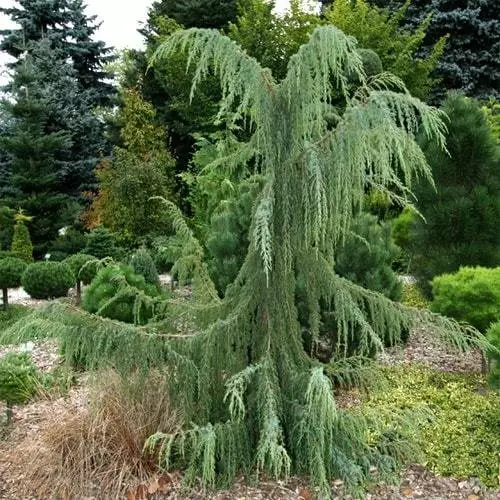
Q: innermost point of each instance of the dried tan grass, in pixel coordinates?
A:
(98, 451)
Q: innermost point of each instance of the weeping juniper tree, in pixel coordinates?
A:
(262, 402)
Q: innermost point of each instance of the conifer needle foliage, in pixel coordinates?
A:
(262, 401)
(258, 401)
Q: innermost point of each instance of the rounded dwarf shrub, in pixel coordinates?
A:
(472, 294)
(143, 263)
(48, 280)
(84, 267)
(11, 271)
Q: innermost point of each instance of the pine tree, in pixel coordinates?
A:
(462, 215)
(259, 400)
(21, 240)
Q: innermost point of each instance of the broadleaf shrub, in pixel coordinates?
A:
(463, 439)
(48, 280)
(472, 294)
(143, 263)
(11, 271)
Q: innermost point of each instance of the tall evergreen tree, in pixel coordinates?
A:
(197, 13)
(259, 400)
(471, 61)
(38, 154)
(462, 215)
(69, 30)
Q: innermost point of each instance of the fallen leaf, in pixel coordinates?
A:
(130, 495)
(153, 487)
(305, 494)
(473, 497)
(407, 492)
(164, 482)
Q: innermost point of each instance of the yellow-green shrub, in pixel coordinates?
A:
(463, 439)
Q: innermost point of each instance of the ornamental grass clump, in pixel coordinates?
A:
(101, 445)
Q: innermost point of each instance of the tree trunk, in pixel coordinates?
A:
(78, 292)
(5, 299)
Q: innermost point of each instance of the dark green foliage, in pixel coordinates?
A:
(462, 215)
(372, 64)
(17, 380)
(53, 136)
(84, 267)
(197, 13)
(48, 280)
(165, 251)
(462, 437)
(71, 32)
(102, 243)
(470, 62)
(401, 226)
(117, 292)
(472, 294)
(71, 242)
(493, 336)
(380, 30)
(366, 258)
(11, 270)
(6, 227)
(143, 264)
(38, 152)
(21, 241)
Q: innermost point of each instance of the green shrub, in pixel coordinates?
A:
(102, 243)
(493, 336)
(463, 439)
(48, 280)
(21, 241)
(369, 263)
(413, 297)
(143, 263)
(111, 282)
(401, 226)
(165, 252)
(69, 243)
(472, 294)
(6, 227)
(11, 270)
(18, 380)
(462, 210)
(84, 268)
